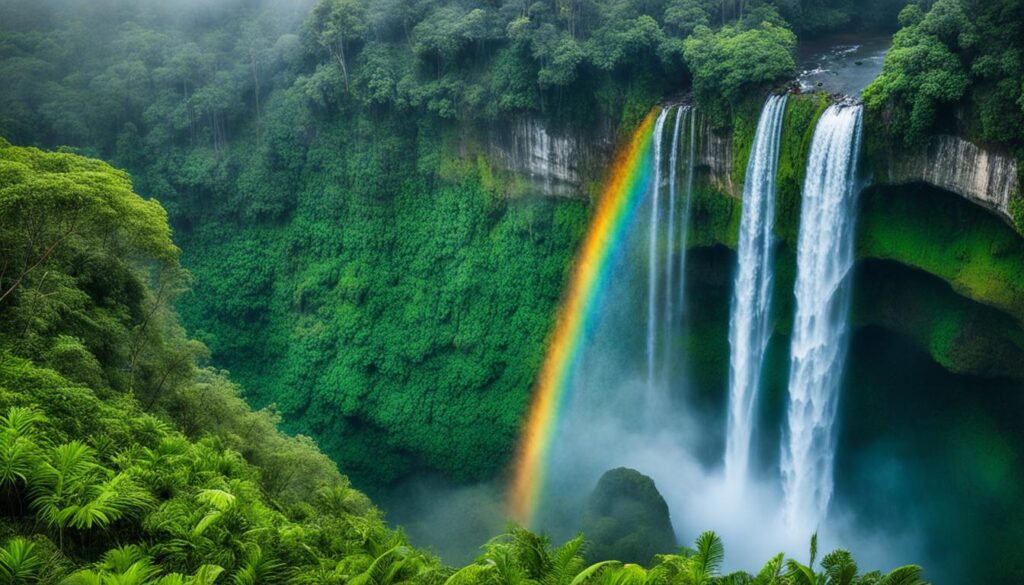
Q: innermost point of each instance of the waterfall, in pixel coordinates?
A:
(825, 256)
(684, 231)
(652, 276)
(673, 162)
(749, 324)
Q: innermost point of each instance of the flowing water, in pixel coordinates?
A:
(685, 228)
(825, 257)
(750, 322)
(652, 275)
(668, 316)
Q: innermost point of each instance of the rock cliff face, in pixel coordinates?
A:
(560, 162)
(715, 158)
(554, 161)
(956, 165)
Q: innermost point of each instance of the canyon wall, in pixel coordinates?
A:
(954, 164)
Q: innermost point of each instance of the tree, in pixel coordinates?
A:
(923, 72)
(683, 17)
(55, 205)
(336, 24)
(737, 58)
(70, 490)
(20, 562)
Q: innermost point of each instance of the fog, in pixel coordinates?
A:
(192, 16)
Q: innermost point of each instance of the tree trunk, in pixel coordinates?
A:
(256, 96)
(340, 57)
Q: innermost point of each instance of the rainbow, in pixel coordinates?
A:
(628, 184)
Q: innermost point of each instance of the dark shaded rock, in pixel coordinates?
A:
(627, 519)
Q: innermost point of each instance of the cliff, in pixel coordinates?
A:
(957, 165)
(550, 160)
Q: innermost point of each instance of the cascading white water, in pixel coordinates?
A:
(652, 275)
(825, 257)
(668, 316)
(684, 231)
(749, 324)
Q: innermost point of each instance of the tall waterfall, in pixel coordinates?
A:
(652, 274)
(825, 257)
(685, 228)
(673, 163)
(749, 325)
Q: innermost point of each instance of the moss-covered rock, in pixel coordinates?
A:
(627, 519)
(979, 256)
(802, 114)
(962, 336)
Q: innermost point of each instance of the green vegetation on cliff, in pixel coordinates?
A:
(393, 322)
(979, 256)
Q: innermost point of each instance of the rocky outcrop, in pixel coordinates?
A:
(715, 159)
(554, 161)
(559, 162)
(957, 165)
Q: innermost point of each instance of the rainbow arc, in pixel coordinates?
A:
(628, 184)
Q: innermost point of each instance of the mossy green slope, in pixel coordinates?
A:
(979, 256)
(401, 309)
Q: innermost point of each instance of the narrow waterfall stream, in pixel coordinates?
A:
(668, 316)
(652, 275)
(749, 323)
(825, 257)
(684, 234)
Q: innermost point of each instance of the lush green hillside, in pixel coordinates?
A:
(395, 323)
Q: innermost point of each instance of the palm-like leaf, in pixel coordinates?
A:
(22, 421)
(258, 568)
(908, 575)
(475, 574)
(593, 572)
(771, 573)
(20, 454)
(564, 563)
(118, 560)
(628, 575)
(840, 568)
(219, 499)
(710, 553)
(19, 562)
(799, 574)
(122, 566)
(387, 568)
(737, 578)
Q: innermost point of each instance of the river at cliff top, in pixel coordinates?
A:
(843, 64)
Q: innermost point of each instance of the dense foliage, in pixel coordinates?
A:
(956, 65)
(406, 332)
